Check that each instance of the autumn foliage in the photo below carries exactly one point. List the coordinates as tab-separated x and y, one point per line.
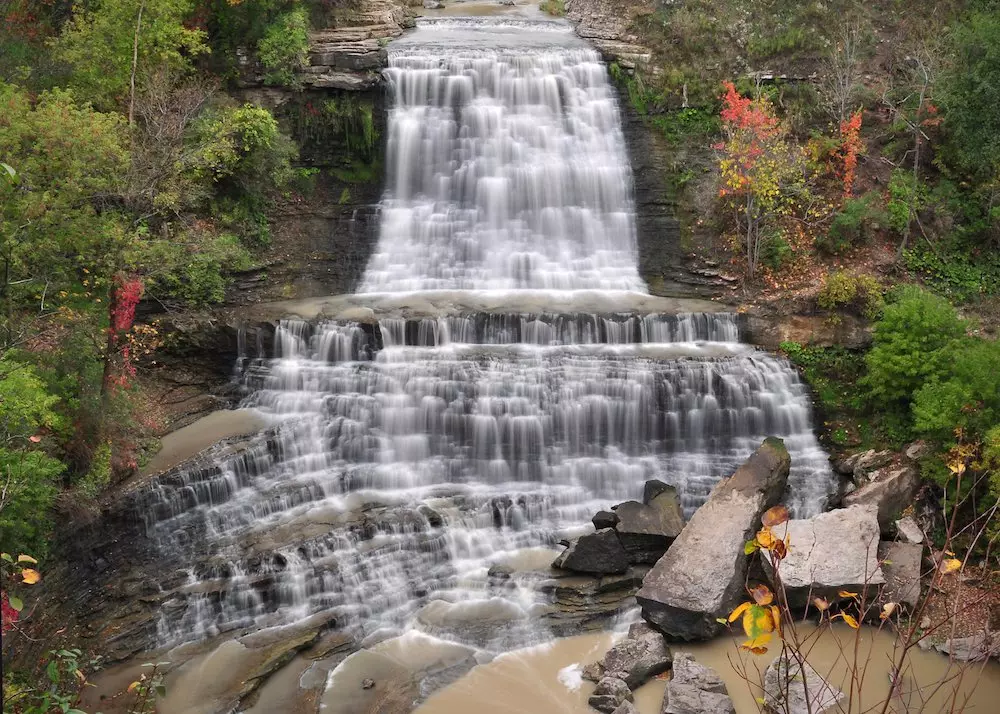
851	147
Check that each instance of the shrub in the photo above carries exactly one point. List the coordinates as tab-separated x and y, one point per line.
284	48
556	8
860	293
776	251
906	198
913	344
852	225
967	397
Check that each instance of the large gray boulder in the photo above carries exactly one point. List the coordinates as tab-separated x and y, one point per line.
695	689
610	694
788	692
890	490
599	553
702	576
636	659
830	552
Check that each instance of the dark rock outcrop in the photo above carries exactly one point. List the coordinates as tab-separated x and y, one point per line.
611	692
701	577
605	519
639	657
646	530
600	553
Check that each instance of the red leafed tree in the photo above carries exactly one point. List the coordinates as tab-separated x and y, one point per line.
757	167
851	147
119	367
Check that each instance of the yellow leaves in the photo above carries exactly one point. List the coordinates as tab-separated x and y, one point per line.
30	576
847	593
950	565
849	619
887	610
775	516
762	594
760	619
22	558
821	604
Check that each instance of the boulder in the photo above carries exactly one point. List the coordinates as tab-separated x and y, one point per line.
702	576
605	519
909	531
695	689
890	489
600	553
974	648
858	465
433	5
786	690
611	692
647	530
833	551
637	658
653	488
901	564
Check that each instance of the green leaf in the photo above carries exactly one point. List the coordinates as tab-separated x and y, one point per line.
161	691
6	556
15	603
52	670
750	547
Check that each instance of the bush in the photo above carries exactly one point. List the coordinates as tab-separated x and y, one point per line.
913	344
860	293
852	225
775	251
556	8
906	198
284	48
968	396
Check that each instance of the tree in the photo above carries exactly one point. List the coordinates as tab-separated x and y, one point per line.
114	46
914	343
759	169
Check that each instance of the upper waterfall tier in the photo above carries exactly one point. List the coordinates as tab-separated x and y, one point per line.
507	166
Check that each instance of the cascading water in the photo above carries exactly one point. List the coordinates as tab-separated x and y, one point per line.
411	455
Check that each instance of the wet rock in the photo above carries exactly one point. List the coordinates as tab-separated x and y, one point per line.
582	602
434	519
368	683
611	692
695	689
917	450
600	553
901	563
890	489
642	655
626	707
785	689
974	648
646	531
593	672
701	577
653	488
605	519
433	5
499	573
833	551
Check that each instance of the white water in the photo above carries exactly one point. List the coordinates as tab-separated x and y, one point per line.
414	454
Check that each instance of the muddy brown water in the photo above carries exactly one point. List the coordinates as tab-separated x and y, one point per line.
545	679
537	680
178	446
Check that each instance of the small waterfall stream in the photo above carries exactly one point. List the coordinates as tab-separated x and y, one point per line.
410	455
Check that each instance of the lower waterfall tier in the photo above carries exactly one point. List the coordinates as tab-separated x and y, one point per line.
399	478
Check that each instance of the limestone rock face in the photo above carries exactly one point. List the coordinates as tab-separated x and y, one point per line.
607	24
702	575
600	553
833	551
785	689
695	689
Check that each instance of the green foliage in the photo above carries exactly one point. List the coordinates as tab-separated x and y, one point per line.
63	682
284	48
98	43
913	344
906	199
683	125
556	8
29	475
68	158
967	395
958	273
861	293
852	225
970	93
198	269
775	251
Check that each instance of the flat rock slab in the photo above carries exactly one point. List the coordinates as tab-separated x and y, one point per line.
599	553
833	551
702	575
890	490
901	564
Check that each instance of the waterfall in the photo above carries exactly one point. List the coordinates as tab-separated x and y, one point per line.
411	455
